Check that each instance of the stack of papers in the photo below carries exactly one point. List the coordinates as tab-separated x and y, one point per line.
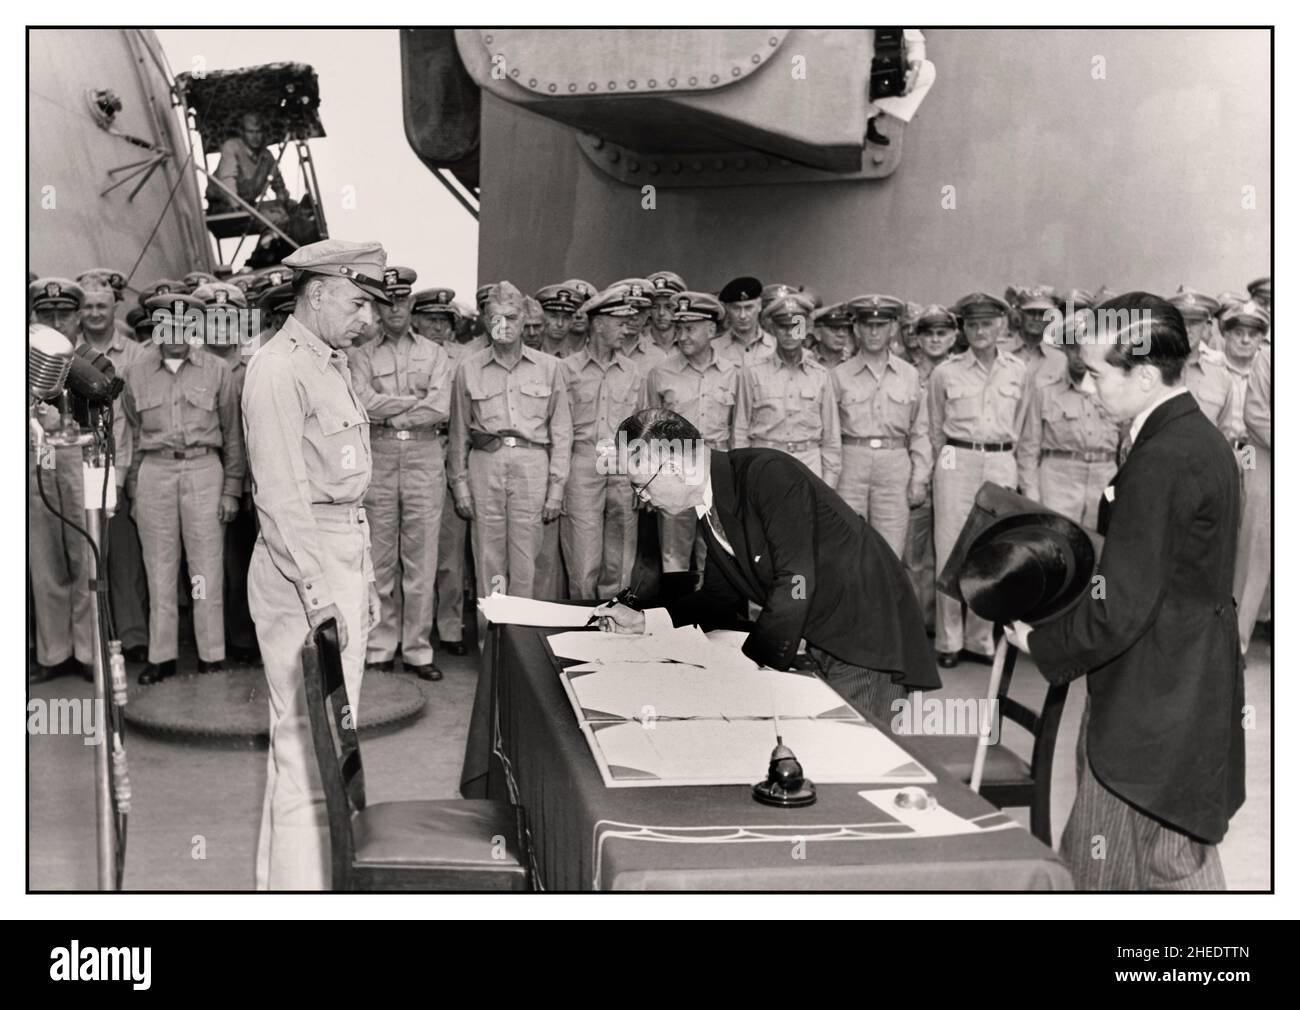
677	645
501	609
708	752
643	691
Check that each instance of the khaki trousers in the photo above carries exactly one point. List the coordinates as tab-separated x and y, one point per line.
509	489
873	482
293	841
404	505
958	474
176	504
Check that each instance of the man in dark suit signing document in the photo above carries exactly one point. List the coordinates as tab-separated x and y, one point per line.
780	538
1157	635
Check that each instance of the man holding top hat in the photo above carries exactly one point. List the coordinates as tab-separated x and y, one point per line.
1156	635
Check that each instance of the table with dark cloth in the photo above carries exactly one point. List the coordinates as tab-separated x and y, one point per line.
525	746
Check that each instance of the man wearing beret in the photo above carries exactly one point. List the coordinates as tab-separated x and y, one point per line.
57	559
743	340
404	382
666	285
883	420
1165	748
786	400
977	402
598	527
103	331
702	386
185	479
309	448
511	438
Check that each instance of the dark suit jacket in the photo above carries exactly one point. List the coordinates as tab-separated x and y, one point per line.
819	570
1165	674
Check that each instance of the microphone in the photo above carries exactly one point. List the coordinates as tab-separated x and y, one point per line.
49	359
92	377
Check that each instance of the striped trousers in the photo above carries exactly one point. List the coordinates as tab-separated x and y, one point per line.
869	691
1111	845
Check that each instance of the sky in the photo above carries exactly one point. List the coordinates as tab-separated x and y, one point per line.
398	201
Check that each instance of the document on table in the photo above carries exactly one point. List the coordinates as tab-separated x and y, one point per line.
720	752
641	691
678	645
501	609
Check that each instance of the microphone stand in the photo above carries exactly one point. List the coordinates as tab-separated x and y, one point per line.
95	470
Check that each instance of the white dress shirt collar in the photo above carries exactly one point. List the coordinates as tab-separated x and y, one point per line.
1141	419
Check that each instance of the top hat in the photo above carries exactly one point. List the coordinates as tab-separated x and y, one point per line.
1017	560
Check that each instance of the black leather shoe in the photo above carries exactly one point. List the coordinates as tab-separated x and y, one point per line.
155	672
453	648
977	657
874	135
426	671
136	654
216	666
87	672
947	659
385	667
250	656
40	674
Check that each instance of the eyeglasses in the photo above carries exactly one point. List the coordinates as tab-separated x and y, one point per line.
639	489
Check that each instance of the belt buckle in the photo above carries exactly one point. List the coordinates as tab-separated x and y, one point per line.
875	443
509	441
403	434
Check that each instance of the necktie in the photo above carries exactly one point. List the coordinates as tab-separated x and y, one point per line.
1125	446
715	524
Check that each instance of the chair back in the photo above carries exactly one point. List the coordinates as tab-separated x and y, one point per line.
334	737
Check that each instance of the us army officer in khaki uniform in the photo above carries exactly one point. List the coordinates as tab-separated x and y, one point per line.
309	448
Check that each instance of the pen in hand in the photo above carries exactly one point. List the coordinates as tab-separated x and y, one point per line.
626	597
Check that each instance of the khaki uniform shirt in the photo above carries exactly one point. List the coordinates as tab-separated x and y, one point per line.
1062	416
529	399
601	396
784	403
404	382
728	345
891	404
308	441
704	396
1206	377
194	408
977	404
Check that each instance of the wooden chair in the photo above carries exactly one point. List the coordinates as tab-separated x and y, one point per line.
415	845
1008	780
